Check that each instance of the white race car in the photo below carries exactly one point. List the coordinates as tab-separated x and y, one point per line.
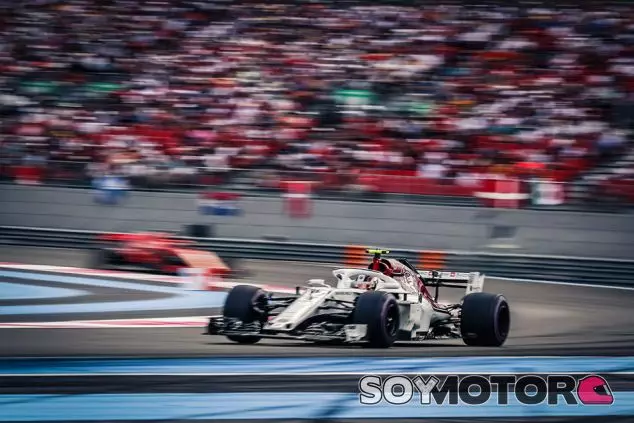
380	305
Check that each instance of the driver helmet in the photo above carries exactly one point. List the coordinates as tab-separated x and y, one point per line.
366	282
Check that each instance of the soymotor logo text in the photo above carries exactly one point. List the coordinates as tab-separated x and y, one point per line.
478	389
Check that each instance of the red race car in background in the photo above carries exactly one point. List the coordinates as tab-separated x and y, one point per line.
155	251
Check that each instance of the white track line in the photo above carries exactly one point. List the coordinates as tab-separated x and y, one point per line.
577	284
182	281
93	272
165	322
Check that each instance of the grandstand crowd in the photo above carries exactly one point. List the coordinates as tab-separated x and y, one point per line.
197	92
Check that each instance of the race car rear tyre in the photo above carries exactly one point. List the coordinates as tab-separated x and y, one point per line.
246	303
380	312
485	320
104	258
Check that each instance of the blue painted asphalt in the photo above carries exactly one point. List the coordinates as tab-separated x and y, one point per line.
19	291
299	365
83	280
181	299
279	405
186	300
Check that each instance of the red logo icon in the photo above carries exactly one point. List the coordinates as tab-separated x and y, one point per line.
594	390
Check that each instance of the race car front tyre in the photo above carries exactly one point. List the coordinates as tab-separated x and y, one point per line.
380	312
485	320
246	303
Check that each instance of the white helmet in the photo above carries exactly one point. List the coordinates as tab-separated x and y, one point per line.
366	282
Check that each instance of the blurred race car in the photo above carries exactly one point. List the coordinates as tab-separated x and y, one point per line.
155	251
385	303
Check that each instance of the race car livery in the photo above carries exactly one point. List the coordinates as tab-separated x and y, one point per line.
387	302
157	252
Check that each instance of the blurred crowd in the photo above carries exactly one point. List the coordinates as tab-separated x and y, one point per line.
190	91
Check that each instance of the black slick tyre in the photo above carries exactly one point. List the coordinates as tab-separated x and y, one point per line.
485	319
247	304
380	312
104	258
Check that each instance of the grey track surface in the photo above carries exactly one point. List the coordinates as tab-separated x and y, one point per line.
546	320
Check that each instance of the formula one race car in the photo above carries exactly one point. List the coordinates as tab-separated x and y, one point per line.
378	306
154	251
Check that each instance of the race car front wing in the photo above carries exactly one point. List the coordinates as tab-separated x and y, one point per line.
316	332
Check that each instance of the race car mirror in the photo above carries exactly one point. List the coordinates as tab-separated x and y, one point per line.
317	282
300	290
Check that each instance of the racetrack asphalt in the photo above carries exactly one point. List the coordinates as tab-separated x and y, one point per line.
546	320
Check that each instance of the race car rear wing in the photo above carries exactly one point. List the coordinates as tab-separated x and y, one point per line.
471	282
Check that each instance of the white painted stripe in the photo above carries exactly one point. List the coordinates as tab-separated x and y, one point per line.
266	287
97	327
577	284
196	321
94	272
215	285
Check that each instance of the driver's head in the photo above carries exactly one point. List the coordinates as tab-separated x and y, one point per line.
365	282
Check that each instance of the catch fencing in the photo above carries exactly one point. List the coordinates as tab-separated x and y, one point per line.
561	269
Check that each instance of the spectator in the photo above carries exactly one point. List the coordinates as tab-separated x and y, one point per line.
178	91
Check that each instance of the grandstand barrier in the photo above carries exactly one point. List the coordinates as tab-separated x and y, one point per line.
551	268
550	190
